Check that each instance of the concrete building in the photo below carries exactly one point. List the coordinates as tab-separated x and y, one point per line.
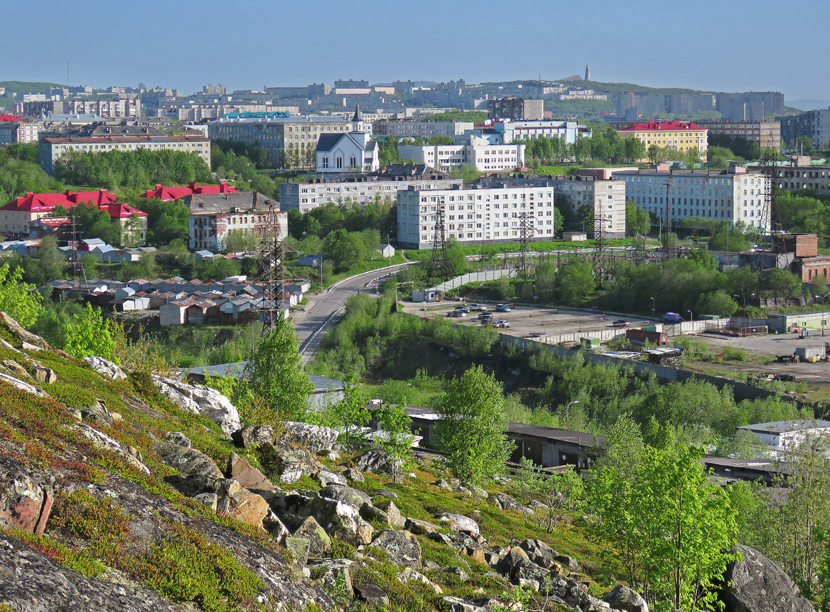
750	105
14	129
475	215
766	133
814	124
51	150
213	217
120	107
681	136
799	173
16	216
289	141
732	195
476	152
421	129
518	109
308	196
500	131
786	435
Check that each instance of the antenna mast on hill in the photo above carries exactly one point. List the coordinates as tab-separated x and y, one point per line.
272	266
440	265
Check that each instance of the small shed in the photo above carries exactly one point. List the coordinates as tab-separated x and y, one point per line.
574	236
174	313
387	250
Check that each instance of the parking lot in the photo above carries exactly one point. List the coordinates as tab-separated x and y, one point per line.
527	321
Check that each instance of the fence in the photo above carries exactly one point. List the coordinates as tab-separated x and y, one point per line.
476	277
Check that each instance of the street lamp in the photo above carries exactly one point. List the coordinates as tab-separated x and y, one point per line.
691	316
321	272
568	409
652	308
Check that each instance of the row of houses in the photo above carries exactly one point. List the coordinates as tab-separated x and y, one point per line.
180	301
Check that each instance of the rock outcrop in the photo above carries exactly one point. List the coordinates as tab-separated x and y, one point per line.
106	368
313	437
758	584
626	599
401	546
200	400
25	497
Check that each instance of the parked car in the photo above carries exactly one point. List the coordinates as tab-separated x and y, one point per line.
456	313
478	307
486	316
501	323
502	308
620	323
462	309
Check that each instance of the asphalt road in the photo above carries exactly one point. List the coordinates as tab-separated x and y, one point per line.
324	310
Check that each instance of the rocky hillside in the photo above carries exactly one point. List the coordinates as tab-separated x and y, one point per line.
128	491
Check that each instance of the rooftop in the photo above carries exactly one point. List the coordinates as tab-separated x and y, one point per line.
785	426
653	126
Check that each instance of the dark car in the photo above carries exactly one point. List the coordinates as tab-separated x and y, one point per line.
486	316
620	323
502	308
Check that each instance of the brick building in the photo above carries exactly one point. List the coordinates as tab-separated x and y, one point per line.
213	217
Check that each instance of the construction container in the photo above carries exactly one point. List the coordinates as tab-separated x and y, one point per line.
641	335
810	353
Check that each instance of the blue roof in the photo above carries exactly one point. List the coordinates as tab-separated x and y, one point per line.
263	115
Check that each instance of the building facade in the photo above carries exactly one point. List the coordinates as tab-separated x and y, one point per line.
120	107
814	124
289	141
14	129
213	217
732	196
801	174
499	131
308	196
51	150
474	216
518	109
421	129
355	151
766	133
682	136
477	152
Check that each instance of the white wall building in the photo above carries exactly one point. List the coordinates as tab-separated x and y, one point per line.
726	196
783	435
476	152
475	215
421	129
339	153
499	131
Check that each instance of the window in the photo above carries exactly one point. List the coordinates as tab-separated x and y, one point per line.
325	161
339	162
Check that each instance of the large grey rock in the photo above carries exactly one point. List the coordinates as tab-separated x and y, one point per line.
758	584
419	527
393	514
319	541
572	593
25	497
327	477
187	460
101	440
346	494
200	400
411	575
253	435
23	335
293	463
401	546
333	573
540	553
376	461
106	368
315	438
625	598
23	386
456	604
505	502
341	520
371	594
459	522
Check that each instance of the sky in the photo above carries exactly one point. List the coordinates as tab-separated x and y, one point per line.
725	45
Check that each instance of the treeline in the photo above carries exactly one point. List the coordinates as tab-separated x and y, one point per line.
604	145
137	169
244	164
20	173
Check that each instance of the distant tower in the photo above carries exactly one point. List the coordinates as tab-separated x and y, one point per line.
587	72
357	120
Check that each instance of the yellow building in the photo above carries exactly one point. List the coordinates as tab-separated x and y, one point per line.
681	136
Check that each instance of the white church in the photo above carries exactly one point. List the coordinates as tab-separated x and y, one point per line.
348	153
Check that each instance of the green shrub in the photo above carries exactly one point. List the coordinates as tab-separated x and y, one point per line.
99	521
77	560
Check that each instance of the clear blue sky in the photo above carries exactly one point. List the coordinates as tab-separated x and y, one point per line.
724	45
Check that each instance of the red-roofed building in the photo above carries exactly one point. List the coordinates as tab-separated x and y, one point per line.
14	129
682	136
17	216
168	194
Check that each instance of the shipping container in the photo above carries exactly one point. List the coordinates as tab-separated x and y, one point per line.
641	335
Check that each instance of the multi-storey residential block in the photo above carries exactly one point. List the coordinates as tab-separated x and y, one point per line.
14	129
681	136
213	217
308	196
477	152
499	131
475	215
421	129
766	133
286	139
51	150
814	124
750	105
801	174
605	196
518	109
120	107
732	196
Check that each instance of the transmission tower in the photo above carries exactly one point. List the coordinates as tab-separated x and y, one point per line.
526	232
440	266
77	264
272	266
601	253
769	215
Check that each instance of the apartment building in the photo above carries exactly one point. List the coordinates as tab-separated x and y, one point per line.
120	107
14	129
421	129
213	217
730	195
476	152
499	131
681	136
605	196
51	150
801	174
308	196
474	216
766	133
518	109
279	135
814	124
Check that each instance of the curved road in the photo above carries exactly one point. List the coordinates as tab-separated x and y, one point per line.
324	310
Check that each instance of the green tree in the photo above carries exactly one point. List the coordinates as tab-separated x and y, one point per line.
396	432
782	283
717	303
91	334
575	282
636	218
472	429
559	493
275	373
19	300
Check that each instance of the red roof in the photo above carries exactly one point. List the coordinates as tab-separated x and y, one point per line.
47	202
168	194
653	126
122	211
10	119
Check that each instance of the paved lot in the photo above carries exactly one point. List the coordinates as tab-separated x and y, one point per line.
526	320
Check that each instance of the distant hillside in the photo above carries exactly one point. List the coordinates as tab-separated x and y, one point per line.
21	87
601	87
806	105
